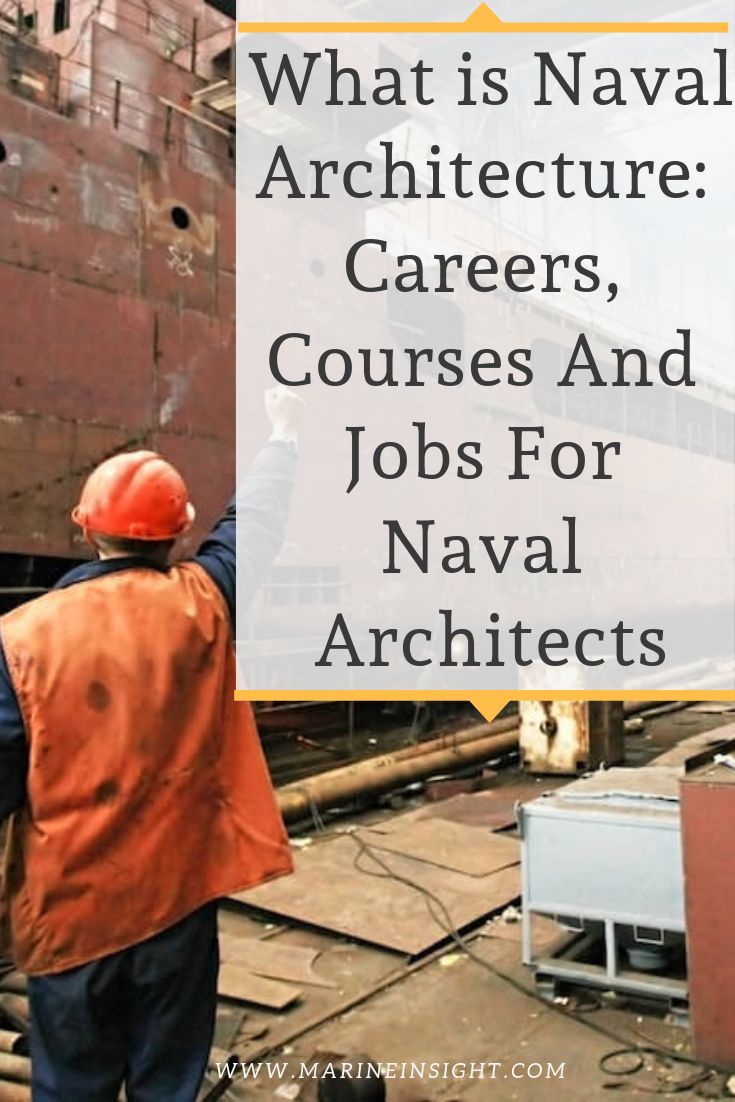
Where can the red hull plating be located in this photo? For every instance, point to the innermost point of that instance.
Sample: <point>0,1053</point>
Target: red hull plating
<point>117,258</point>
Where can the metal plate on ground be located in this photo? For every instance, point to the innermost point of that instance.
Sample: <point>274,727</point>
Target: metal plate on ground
<point>493,808</point>
<point>471,850</point>
<point>655,782</point>
<point>236,982</point>
<point>353,969</point>
<point>483,809</point>
<point>705,743</point>
<point>272,959</point>
<point>329,889</point>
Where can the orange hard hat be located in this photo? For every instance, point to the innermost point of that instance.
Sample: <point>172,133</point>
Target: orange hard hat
<point>135,495</point>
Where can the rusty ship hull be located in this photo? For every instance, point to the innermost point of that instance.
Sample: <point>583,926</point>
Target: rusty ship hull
<point>117,261</point>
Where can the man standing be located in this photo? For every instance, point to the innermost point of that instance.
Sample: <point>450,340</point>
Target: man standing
<point>137,787</point>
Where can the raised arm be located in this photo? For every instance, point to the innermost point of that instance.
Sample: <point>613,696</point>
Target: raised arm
<point>260,508</point>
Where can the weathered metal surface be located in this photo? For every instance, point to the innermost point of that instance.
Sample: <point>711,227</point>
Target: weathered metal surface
<point>195,372</point>
<point>273,959</point>
<point>466,849</point>
<point>570,736</point>
<point>351,969</point>
<point>107,341</point>
<point>52,163</point>
<point>138,119</point>
<point>330,890</point>
<point>30,71</point>
<point>129,83</point>
<point>693,748</point>
<point>74,352</point>
<point>708,824</point>
<point>494,809</point>
<point>64,212</point>
<point>115,331</point>
<point>179,234</point>
<point>629,788</point>
<point>226,251</point>
<point>238,982</point>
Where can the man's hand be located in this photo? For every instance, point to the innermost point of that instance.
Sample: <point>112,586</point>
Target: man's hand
<point>284,410</point>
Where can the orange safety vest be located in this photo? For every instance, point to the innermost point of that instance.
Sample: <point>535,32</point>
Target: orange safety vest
<point>148,792</point>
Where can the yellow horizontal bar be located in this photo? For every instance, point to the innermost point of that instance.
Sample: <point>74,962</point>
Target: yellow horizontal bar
<point>505,28</point>
<point>663,695</point>
<point>484,21</point>
<point>487,703</point>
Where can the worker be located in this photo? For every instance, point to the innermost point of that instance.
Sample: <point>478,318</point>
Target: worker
<point>136,785</point>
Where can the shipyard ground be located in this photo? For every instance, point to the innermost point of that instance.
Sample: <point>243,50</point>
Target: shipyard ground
<point>447,1007</point>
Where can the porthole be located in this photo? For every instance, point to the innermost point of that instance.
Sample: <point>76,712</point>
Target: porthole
<point>180,218</point>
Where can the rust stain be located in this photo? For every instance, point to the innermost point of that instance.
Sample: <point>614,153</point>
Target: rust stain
<point>200,234</point>
<point>106,792</point>
<point>98,696</point>
<point>109,244</point>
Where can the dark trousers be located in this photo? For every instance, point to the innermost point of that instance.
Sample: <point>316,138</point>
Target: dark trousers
<point>143,1017</point>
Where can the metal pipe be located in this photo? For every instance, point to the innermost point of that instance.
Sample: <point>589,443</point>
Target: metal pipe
<point>16,1011</point>
<point>377,775</point>
<point>414,763</point>
<point>15,982</point>
<point>15,1068</point>
<point>632,707</point>
<point>417,750</point>
<point>448,739</point>
<point>12,1042</point>
<point>656,708</point>
<point>14,1092</point>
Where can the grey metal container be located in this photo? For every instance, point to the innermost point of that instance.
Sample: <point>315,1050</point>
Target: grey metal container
<point>603,857</point>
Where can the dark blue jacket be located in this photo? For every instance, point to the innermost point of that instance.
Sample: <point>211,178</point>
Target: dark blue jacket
<point>262,504</point>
